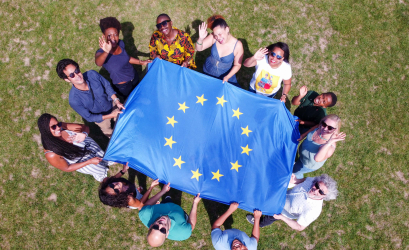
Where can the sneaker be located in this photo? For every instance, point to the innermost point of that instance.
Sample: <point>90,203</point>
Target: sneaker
<point>168,197</point>
<point>250,218</point>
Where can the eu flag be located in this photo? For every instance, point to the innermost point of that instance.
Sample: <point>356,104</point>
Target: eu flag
<point>207,137</point>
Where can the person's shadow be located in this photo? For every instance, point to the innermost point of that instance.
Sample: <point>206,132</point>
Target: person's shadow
<point>215,210</point>
<point>127,32</point>
<point>132,173</point>
<point>201,56</point>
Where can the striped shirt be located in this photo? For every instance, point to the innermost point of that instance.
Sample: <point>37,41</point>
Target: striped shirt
<point>98,171</point>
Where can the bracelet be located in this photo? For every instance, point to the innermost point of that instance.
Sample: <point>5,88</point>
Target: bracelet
<point>122,172</point>
<point>85,133</point>
<point>116,99</point>
<point>284,94</point>
<point>199,43</point>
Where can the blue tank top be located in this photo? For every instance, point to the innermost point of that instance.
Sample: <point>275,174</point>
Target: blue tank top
<point>308,149</point>
<point>219,67</point>
<point>118,66</point>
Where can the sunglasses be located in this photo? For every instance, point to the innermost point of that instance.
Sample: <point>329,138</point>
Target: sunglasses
<point>53,127</point>
<point>319,190</point>
<point>111,185</point>
<point>324,125</point>
<point>156,227</point>
<point>275,55</point>
<point>164,23</point>
<point>76,72</point>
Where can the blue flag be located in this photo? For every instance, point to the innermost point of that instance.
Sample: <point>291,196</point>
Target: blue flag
<point>206,137</point>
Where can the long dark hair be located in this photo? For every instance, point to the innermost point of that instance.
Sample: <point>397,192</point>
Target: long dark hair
<point>118,200</point>
<point>282,46</point>
<point>50,142</point>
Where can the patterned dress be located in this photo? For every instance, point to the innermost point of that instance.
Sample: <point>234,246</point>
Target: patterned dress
<point>180,49</point>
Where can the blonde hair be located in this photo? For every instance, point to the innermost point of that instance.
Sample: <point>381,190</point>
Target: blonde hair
<point>334,118</point>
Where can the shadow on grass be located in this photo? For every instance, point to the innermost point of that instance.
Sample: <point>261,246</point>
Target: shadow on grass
<point>201,56</point>
<point>97,135</point>
<point>215,210</point>
<point>132,173</point>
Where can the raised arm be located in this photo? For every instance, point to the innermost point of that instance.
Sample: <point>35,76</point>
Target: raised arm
<point>148,192</point>
<point>259,55</point>
<point>297,99</point>
<point>256,228</point>
<point>193,212</point>
<point>327,149</point>
<point>223,218</point>
<point>100,57</point>
<point>205,41</point>
<point>155,198</point>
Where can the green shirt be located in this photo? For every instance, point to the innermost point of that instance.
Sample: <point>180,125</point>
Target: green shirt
<point>307,111</point>
<point>179,230</point>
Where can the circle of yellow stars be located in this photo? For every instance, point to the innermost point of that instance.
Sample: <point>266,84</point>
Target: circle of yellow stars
<point>236,113</point>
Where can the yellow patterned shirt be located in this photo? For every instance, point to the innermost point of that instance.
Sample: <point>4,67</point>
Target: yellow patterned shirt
<point>180,49</point>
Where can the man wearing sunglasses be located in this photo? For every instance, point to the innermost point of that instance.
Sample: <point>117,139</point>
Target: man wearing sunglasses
<point>304,202</point>
<point>167,220</point>
<point>91,95</point>
<point>312,107</point>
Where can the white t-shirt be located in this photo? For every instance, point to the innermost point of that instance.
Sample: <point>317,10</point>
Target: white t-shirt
<point>299,206</point>
<point>266,80</point>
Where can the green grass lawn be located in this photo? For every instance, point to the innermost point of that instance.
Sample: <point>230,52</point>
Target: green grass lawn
<point>357,49</point>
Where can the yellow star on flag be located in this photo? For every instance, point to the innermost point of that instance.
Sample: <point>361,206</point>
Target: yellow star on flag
<point>196,174</point>
<point>246,131</point>
<point>216,175</point>
<point>221,100</point>
<point>183,107</point>
<point>237,113</point>
<point>201,99</point>
<point>178,162</point>
<point>246,149</point>
<point>171,121</point>
<point>169,142</point>
<point>235,166</point>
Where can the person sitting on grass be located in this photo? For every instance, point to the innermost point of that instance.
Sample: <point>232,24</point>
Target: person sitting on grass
<point>304,202</point>
<point>68,147</point>
<point>167,220</point>
<point>312,107</point>
<point>91,95</point>
<point>234,238</point>
<point>119,192</point>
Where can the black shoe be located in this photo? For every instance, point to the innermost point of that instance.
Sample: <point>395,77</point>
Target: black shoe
<point>250,218</point>
<point>266,220</point>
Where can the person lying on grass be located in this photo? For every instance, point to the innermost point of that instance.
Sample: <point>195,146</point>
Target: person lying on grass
<point>68,147</point>
<point>312,107</point>
<point>119,192</point>
<point>304,202</point>
<point>234,238</point>
<point>167,220</point>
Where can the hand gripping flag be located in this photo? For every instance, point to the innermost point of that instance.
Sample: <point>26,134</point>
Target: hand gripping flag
<point>207,137</point>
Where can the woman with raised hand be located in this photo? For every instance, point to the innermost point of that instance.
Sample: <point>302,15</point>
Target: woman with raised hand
<point>319,145</point>
<point>68,147</point>
<point>272,68</point>
<point>113,57</point>
<point>171,44</point>
<point>226,53</point>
